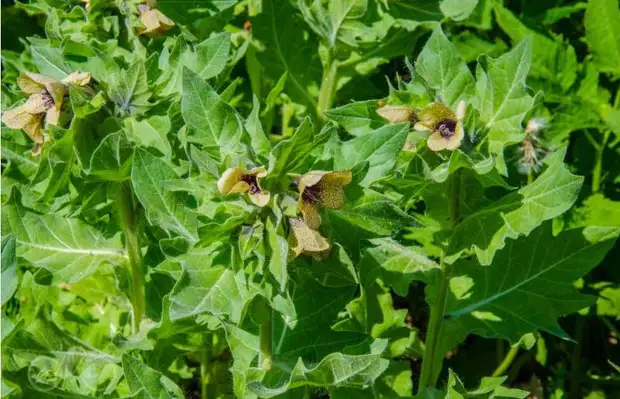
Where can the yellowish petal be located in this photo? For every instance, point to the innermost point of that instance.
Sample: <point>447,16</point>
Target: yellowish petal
<point>460,110</point>
<point>455,141</point>
<point>165,22</point>
<point>35,104</point>
<point>240,187</point>
<point>258,171</point>
<point>33,129</point>
<point>396,113</point>
<point>260,199</point>
<point>305,239</point>
<point>422,127</point>
<point>57,90</point>
<point>16,118</point>
<point>78,78</point>
<point>311,215</point>
<point>229,179</point>
<point>31,82</point>
<point>310,179</point>
<point>150,22</point>
<point>436,143</point>
<point>52,117</point>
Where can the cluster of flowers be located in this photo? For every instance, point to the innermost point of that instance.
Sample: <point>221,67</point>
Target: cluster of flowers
<point>316,189</point>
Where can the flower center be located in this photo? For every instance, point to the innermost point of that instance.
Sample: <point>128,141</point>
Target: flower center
<point>252,182</point>
<point>48,101</point>
<point>446,128</point>
<point>311,195</point>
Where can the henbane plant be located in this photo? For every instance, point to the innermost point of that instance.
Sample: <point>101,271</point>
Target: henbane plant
<point>227,199</point>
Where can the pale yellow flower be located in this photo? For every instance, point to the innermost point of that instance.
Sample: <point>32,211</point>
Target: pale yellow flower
<point>444,124</point>
<point>237,180</point>
<point>320,189</point>
<point>397,113</point>
<point>304,240</point>
<point>154,21</point>
<point>45,102</point>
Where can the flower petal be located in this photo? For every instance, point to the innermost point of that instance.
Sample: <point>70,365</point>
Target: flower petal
<point>305,239</point>
<point>311,215</point>
<point>435,142</point>
<point>455,141</point>
<point>310,179</point>
<point>32,83</point>
<point>78,78</point>
<point>52,117</point>
<point>261,198</point>
<point>259,171</point>
<point>35,104</point>
<point>396,113</point>
<point>421,127</point>
<point>229,179</point>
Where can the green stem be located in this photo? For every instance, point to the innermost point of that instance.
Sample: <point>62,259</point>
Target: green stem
<point>204,375</point>
<point>505,364</point>
<point>328,87</point>
<point>127,212</point>
<point>433,356</point>
<point>264,359</point>
<point>598,163</point>
<point>573,392</point>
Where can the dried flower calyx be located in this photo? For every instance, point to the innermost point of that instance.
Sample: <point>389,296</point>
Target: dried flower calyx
<point>320,189</point>
<point>237,180</point>
<point>45,102</point>
<point>445,125</point>
<point>304,240</point>
<point>154,21</point>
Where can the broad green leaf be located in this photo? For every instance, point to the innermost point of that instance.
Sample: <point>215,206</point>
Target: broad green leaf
<point>278,243</point>
<point>336,369</point>
<point>206,285</point>
<point>66,247</point>
<point>400,264</point>
<point>441,65</point>
<point>379,148</point>
<point>486,230</point>
<point>84,102</point>
<point>150,132</point>
<point>207,59</point>
<point>602,22</point>
<point>471,46</point>
<point>130,91</point>
<point>599,217</point>
<point>10,280</point>
<point>358,118</point>
<point>501,95</point>
<point>394,382</point>
<point>148,383</point>
<point>457,10</point>
<point>289,154</point>
<point>526,287</point>
<point>111,160</point>
<point>258,138</point>
<point>164,207</point>
<point>552,59</point>
<point>213,123</point>
<point>288,48</point>
<point>188,11</point>
<point>490,387</point>
<point>411,15</point>
<point>50,62</point>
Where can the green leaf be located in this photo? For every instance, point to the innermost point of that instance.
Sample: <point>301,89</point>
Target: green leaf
<point>501,95</point>
<point>208,286</point>
<point>441,65</point>
<point>188,11</point>
<point>148,383</point>
<point>526,287</point>
<point>486,230</point>
<point>289,154</point>
<point>599,217</point>
<point>163,206</point>
<point>213,123</point>
<point>111,160</point>
<point>358,118</point>
<point>395,382</point>
<point>66,247</point>
<point>278,243</point>
<point>83,102</point>
<point>490,387</point>
<point>10,280</point>
<point>258,138</point>
<point>379,148</point>
<point>602,22</point>
<point>207,59</point>
<point>50,62</point>
<point>130,91</point>
<point>288,47</point>
<point>457,10</point>
<point>150,132</point>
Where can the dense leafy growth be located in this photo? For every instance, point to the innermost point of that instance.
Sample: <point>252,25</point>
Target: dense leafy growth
<point>227,198</point>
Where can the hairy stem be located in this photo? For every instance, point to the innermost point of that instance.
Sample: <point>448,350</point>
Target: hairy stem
<point>328,87</point>
<point>433,356</point>
<point>127,212</point>
<point>264,359</point>
<point>204,375</point>
<point>508,359</point>
<point>598,163</point>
